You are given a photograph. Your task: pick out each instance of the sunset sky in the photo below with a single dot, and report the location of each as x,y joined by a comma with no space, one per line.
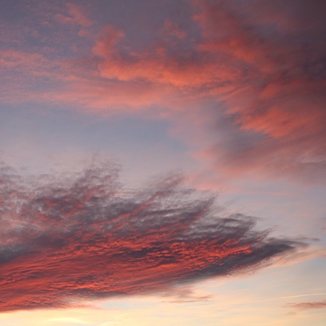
162,162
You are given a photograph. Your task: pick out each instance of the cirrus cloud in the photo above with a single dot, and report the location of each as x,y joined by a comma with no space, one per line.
255,70
307,305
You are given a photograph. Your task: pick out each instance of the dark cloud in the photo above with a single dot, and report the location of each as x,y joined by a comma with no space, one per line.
307,305
81,237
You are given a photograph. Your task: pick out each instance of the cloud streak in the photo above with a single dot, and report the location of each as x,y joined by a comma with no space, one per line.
80,237
276,98
267,77
307,305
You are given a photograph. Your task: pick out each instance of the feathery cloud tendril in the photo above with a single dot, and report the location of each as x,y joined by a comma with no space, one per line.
81,237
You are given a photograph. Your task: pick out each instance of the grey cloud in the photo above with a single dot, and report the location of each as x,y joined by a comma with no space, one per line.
82,237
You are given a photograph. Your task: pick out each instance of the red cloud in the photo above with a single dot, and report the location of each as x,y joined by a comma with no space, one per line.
82,238
275,104
156,65
269,83
261,64
73,15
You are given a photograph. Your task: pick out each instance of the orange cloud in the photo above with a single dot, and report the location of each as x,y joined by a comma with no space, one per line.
271,93
260,82
275,104
81,238
156,66
73,15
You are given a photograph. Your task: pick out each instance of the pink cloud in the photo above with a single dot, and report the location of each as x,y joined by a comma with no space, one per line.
275,104
73,15
171,29
307,305
82,238
155,66
260,82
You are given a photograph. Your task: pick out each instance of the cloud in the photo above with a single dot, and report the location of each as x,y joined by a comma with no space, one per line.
264,77
73,15
274,106
307,305
304,254
255,69
66,239
185,294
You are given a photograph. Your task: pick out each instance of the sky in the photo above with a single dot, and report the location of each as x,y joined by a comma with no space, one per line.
162,162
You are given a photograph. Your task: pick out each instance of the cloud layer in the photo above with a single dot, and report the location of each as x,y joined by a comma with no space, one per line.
79,237
259,65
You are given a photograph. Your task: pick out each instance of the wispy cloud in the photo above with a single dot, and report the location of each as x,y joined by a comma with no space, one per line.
81,237
307,305
185,294
260,65
73,15
275,99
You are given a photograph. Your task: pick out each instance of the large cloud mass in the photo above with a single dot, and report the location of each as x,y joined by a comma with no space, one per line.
67,239
259,64
258,67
